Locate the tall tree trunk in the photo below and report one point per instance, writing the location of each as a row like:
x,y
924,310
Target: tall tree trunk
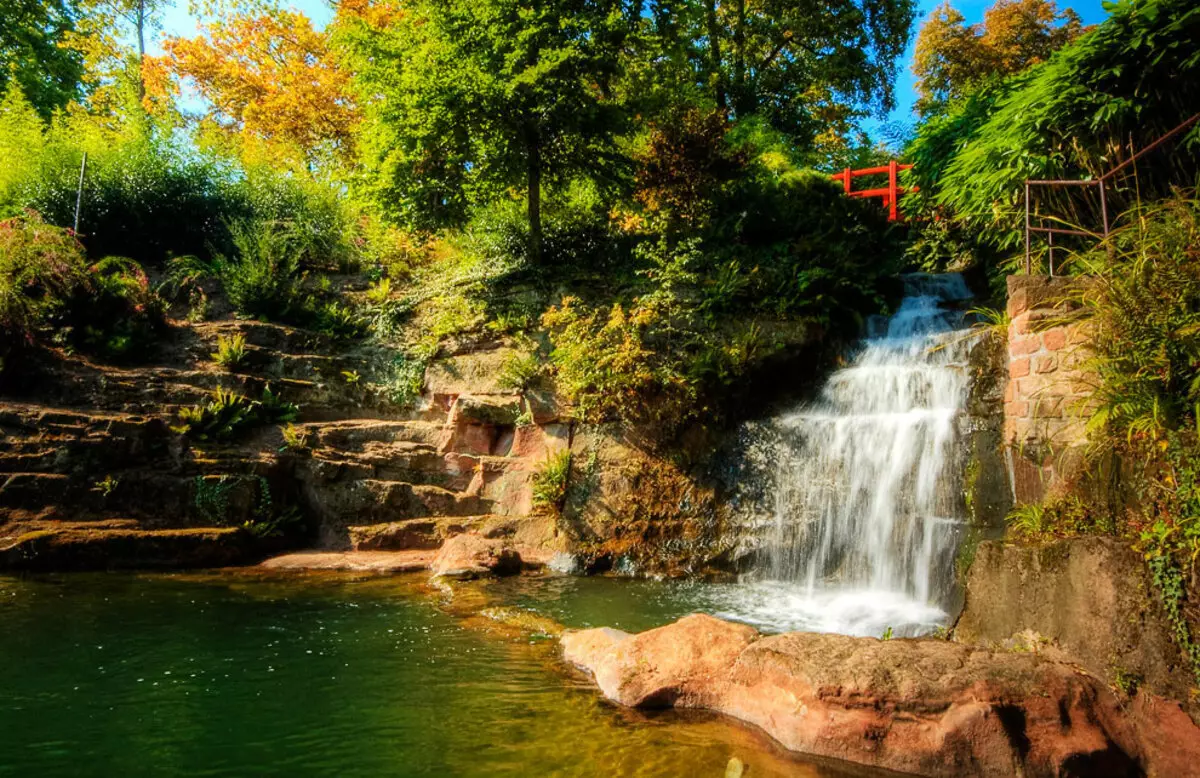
x,y
534,153
140,23
714,51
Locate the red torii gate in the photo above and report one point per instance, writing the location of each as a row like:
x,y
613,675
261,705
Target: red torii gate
x,y
889,193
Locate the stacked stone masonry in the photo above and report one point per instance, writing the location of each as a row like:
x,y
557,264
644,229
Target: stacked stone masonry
x,y
1045,400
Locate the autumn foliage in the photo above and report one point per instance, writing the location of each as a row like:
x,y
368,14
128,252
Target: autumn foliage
x,y
952,56
272,76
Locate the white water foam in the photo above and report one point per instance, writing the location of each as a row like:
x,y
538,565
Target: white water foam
x,y
865,497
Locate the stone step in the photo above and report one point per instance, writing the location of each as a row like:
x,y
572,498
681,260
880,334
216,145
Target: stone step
x,y
427,533
352,434
155,498
411,561
104,546
372,501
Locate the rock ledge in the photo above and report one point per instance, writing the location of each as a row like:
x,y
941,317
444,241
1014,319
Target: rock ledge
x,y
928,707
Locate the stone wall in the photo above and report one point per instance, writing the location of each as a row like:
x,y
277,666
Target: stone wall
x,y
1045,400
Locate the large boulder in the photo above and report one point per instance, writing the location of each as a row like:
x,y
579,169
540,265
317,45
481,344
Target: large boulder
x,y
928,707
471,556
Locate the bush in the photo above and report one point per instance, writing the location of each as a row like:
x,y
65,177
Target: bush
x,y
231,351
229,415
41,267
117,315
264,278
47,288
149,193
551,481
1143,302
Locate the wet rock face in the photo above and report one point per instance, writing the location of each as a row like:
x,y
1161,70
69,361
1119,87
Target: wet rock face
x,y
1090,597
927,707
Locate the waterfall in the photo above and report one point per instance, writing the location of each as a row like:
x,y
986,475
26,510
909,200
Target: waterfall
x,y
861,507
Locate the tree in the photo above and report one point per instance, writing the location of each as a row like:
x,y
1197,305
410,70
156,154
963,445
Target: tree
x,y
767,57
32,34
464,99
270,75
953,58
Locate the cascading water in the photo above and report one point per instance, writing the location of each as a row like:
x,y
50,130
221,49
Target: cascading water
x,y
864,501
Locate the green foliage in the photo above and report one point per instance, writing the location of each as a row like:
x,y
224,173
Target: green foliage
x,y
469,98
1060,517
33,54
265,278
1128,80
270,519
887,634
404,378
294,438
149,193
41,267
229,415
211,498
231,351
106,486
551,481
1143,303
47,288
522,370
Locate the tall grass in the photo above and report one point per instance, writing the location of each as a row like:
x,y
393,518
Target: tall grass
x,y
1143,303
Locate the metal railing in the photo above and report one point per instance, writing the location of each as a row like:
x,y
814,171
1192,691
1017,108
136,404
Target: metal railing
x,y
890,193
1101,185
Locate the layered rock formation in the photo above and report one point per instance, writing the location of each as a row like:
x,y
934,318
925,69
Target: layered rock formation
x,y
92,475
927,707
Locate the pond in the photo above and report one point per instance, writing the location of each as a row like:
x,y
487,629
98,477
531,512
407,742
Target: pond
x,y
235,674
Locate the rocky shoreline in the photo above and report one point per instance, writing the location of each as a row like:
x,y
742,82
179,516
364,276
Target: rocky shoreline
x,y
922,706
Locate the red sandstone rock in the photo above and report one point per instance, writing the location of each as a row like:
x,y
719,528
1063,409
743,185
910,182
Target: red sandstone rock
x,y
928,707
1055,339
356,561
470,555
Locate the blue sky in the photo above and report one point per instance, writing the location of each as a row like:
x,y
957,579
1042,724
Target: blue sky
x,y
177,21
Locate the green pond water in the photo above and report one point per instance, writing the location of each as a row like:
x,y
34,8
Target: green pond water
x,y
324,675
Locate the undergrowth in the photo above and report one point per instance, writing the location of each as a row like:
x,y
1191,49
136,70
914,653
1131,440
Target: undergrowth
x,y
229,415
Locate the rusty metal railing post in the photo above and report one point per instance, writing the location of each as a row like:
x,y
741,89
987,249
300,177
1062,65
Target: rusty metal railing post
x,y
1028,271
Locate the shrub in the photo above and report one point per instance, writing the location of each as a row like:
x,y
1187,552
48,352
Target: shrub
x,y
601,361
47,286
551,481
1143,302
231,351
118,315
228,415
264,278
41,267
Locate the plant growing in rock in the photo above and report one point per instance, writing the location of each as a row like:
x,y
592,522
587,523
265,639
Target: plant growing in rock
x,y
229,414
270,519
294,438
521,371
211,498
231,351
551,481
